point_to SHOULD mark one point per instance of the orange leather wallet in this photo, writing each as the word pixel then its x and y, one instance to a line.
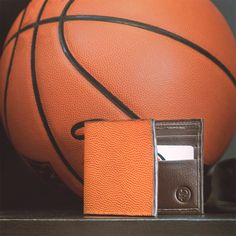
pixel 120 168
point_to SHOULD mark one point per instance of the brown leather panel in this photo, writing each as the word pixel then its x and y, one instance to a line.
pixel 178 187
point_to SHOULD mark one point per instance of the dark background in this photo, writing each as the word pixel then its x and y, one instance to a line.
pixel 23 190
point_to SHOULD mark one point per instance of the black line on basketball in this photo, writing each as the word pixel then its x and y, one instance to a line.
pixel 160 31
pixel 8 77
pixel 111 97
pixel 30 26
pixel 161 157
pixel 141 25
pixel 39 103
pixel 79 126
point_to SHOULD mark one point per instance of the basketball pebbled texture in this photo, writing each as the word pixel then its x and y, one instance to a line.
pixel 65 62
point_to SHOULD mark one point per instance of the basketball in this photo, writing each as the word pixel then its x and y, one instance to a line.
pixel 67 62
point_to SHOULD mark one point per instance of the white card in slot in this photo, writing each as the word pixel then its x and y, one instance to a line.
pixel 175 152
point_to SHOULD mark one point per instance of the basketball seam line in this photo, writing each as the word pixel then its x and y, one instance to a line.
pixel 30 26
pixel 39 103
pixel 141 25
pixel 8 78
pixel 97 85
pixel 160 31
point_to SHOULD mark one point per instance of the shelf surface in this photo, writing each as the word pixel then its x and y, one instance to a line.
pixel 71 223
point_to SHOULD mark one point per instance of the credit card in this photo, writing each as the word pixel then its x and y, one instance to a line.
pixel 175 152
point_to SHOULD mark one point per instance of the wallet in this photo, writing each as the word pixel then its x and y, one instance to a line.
pixel 143 167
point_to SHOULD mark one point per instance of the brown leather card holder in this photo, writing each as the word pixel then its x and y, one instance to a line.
pixel 180 182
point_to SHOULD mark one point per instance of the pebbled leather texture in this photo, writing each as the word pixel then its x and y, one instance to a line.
pixel 119 168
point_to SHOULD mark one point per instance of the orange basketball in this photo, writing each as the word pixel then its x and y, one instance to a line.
pixel 65 62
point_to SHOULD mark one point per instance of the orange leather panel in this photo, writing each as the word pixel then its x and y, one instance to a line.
pixel 119 168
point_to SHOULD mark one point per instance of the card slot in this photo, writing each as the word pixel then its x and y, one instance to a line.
pixel 177 141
